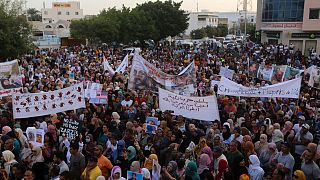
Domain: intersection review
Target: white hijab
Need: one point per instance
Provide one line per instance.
(255, 171)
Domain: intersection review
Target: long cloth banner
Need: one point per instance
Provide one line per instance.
(201, 108)
(39, 104)
(287, 89)
(144, 75)
(10, 78)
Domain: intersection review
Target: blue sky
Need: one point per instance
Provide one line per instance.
(94, 6)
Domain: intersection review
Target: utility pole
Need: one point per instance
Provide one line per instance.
(197, 5)
(242, 6)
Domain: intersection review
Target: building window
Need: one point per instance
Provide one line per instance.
(201, 19)
(282, 10)
(60, 26)
(314, 13)
(48, 27)
(76, 13)
(68, 13)
(59, 12)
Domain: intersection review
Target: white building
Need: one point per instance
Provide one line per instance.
(235, 18)
(57, 19)
(198, 20)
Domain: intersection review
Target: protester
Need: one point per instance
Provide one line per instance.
(254, 137)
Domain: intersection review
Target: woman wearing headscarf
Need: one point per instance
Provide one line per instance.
(23, 139)
(200, 146)
(116, 174)
(149, 161)
(226, 133)
(209, 137)
(254, 170)
(6, 129)
(203, 169)
(132, 153)
(36, 156)
(266, 156)
(146, 174)
(53, 131)
(287, 130)
(261, 145)
(8, 157)
(192, 171)
(277, 136)
(248, 151)
(170, 172)
(135, 167)
(299, 175)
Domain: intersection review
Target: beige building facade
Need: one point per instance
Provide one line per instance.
(290, 21)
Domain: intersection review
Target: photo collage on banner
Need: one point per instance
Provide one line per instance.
(144, 75)
(39, 104)
(10, 78)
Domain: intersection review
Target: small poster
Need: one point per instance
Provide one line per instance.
(35, 136)
(152, 125)
(134, 176)
(70, 128)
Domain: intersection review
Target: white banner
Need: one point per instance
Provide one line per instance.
(201, 108)
(191, 65)
(124, 64)
(121, 68)
(39, 104)
(228, 73)
(107, 66)
(287, 89)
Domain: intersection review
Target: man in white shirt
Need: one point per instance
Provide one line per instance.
(297, 127)
(127, 102)
(301, 141)
(58, 159)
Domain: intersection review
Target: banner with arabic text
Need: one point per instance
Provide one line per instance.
(39, 104)
(288, 89)
(201, 108)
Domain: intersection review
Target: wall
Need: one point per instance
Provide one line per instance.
(310, 24)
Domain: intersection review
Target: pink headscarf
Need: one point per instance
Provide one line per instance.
(6, 129)
(287, 127)
(207, 150)
(204, 162)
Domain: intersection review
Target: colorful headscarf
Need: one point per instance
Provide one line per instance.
(192, 171)
(131, 153)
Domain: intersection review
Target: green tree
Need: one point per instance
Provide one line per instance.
(15, 31)
(222, 30)
(169, 19)
(210, 31)
(198, 33)
(34, 15)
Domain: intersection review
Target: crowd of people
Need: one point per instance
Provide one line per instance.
(256, 138)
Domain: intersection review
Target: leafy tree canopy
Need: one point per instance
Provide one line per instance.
(15, 31)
